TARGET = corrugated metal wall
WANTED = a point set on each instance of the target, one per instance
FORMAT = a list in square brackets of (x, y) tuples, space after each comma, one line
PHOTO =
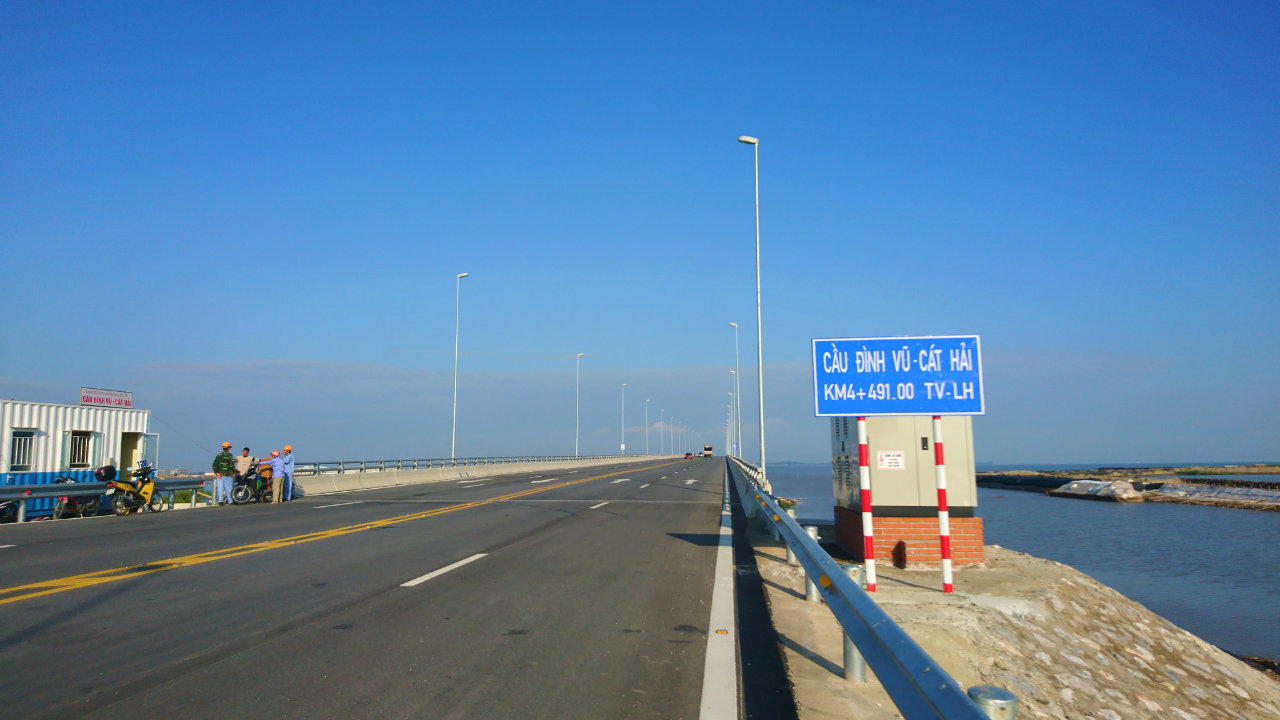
[(51, 420)]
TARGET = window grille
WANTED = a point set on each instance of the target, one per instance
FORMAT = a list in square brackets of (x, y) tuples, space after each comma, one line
[(80, 442), (20, 450)]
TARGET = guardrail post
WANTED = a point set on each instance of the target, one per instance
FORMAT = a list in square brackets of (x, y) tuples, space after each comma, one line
[(22, 510), (855, 666), (171, 494), (997, 703), (791, 555), (810, 587)]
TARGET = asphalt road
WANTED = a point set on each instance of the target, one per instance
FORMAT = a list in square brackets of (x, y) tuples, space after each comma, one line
[(582, 595)]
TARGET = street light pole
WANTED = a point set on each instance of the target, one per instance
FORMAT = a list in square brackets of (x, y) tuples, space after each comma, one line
[(624, 418), (737, 389), (577, 398), (764, 476), (457, 318), (662, 429), (646, 426), (733, 397)]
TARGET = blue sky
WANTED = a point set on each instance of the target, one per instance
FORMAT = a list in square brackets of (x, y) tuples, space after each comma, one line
[(251, 215)]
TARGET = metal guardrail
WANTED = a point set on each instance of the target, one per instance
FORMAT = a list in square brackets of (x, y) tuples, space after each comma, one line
[(23, 493), (915, 682), (338, 467)]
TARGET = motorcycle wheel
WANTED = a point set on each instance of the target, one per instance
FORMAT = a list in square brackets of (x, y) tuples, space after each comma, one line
[(240, 494), (60, 509), (118, 504), (89, 508), (157, 502)]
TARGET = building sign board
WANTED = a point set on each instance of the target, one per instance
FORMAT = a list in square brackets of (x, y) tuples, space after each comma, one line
[(106, 398), (927, 375)]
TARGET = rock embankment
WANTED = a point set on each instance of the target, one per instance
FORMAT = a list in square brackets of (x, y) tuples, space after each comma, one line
[(1068, 646)]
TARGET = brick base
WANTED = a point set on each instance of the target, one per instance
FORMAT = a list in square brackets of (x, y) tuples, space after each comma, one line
[(911, 541)]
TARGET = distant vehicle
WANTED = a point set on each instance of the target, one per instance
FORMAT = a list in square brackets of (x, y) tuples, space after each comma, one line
[(706, 451), (688, 456)]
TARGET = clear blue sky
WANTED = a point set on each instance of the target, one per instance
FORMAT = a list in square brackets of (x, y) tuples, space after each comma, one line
[(251, 215)]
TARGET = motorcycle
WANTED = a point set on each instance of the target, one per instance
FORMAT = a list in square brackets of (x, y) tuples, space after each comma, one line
[(253, 486), (8, 511), (133, 495), (75, 505)]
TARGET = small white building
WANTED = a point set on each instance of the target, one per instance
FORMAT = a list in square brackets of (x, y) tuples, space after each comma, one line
[(42, 441)]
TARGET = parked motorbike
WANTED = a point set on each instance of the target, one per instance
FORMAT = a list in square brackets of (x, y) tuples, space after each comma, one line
[(253, 486), (8, 511), (129, 495), (75, 505)]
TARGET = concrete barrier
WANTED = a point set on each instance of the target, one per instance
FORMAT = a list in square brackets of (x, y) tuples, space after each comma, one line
[(375, 479)]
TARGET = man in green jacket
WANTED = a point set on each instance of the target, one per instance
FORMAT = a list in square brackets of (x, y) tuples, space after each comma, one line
[(223, 466)]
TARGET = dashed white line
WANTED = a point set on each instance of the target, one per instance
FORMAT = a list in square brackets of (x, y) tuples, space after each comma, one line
[(7, 546), (615, 482), (443, 570), (322, 507), (597, 507), (535, 482), (644, 486), (472, 481), (691, 481)]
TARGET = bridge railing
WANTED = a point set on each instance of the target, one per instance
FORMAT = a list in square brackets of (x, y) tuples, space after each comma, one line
[(915, 682), (337, 467)]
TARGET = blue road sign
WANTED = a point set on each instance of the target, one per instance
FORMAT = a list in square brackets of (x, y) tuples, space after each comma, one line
[(932, 375)]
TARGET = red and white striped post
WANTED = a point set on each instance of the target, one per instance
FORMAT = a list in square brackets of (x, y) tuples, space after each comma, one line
[(944, 516), (864, 481)]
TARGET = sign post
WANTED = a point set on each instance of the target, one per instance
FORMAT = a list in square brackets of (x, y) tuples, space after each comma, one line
[(931, 375)]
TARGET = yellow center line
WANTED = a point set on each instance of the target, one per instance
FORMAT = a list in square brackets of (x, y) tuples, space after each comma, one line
[(74, 582)]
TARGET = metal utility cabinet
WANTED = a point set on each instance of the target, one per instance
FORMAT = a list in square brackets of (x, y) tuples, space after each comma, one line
[(904, 495)]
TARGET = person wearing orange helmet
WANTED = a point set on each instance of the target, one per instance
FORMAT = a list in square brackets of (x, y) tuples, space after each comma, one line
[(287, 461), (223, 466)]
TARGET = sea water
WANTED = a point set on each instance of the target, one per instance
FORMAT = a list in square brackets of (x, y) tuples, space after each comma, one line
[(1213, 571)]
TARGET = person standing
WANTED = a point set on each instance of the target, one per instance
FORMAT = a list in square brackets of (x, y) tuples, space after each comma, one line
[(223, 466), (277, 475), (287, 461)]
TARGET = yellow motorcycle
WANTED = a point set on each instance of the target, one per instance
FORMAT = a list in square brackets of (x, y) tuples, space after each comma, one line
[(129, 495)]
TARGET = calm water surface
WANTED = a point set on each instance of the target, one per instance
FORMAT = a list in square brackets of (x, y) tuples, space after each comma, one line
[(1213, 571)]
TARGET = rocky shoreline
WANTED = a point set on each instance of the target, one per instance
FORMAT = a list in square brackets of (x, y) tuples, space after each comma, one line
[(1143, 485), (1068, 646)]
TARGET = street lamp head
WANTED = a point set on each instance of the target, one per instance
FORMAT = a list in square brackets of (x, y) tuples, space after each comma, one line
[(734, 324), (582, 354), (462, 275), (749, 140)]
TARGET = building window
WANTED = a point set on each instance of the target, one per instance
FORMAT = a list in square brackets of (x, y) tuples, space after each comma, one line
[(80, 444), (20, 450)]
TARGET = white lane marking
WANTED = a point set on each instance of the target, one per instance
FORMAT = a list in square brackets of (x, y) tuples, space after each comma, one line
[(644, 486), (7, 546), (473, 486), (597, 507), (664, 477), (720, 671), (691, 481), (535, 482), (443, 570), (321, 507), (615, 482), (472, 481)]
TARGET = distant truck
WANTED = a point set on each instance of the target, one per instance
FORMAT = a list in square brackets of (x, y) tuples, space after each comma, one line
[(706, 451)]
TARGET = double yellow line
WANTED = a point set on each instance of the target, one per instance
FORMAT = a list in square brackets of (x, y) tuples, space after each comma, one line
[(74, 582)]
